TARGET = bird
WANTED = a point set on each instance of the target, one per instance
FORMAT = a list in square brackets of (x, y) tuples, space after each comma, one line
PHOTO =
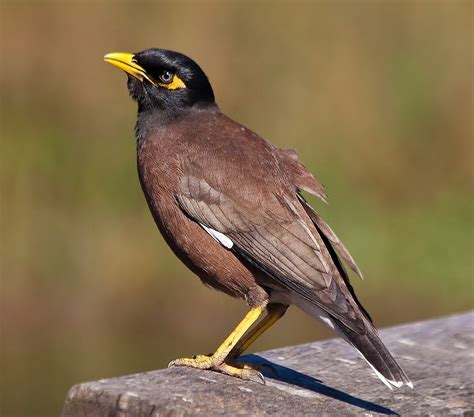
[(231, 207)]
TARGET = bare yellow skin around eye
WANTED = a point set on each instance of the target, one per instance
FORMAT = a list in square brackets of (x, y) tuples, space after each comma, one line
[(174, 84)]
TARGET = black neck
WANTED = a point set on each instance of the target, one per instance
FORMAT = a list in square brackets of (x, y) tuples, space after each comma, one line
[(151, 120)]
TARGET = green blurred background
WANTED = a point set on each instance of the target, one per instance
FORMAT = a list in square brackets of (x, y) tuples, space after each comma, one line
[(375, 96)]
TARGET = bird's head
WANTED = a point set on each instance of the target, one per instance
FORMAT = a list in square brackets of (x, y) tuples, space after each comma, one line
[(162, 79)]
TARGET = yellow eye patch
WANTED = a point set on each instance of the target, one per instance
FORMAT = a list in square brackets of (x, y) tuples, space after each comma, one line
[(174, 84)]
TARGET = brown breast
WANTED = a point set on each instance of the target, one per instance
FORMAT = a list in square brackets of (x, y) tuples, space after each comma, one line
[(162, 161)]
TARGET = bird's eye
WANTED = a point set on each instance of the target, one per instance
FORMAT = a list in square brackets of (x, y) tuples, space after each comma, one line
[(166, 77)]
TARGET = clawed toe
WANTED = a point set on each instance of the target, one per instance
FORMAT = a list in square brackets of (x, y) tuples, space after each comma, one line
[(198, 361), (244, 371)]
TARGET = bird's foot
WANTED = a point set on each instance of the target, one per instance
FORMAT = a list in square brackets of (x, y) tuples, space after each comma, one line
[(234, 368), (260, 367)]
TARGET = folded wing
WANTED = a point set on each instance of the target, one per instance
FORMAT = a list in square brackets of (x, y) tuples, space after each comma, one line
[(277, 236)]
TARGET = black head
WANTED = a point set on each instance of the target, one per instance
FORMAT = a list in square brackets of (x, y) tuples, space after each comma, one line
[(164, 80)]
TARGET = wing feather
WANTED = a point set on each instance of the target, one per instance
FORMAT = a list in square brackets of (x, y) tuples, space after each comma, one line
[(331, 236), (279, 241)]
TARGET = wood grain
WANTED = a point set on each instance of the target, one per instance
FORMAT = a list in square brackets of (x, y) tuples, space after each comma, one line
[(323, 378)]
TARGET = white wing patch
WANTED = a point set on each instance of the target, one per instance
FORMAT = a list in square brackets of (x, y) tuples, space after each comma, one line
[(326, 320), (219, 237)]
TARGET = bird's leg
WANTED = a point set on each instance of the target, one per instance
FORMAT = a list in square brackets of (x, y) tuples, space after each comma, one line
[(275, 312), (216, 360)]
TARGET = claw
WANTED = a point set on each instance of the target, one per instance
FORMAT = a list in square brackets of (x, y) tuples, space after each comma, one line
[(255, 376)]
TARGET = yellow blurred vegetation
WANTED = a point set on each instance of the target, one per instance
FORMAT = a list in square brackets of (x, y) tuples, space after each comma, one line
[(375, 96)]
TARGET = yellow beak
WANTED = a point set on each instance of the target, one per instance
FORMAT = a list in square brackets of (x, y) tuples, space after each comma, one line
[(126, 62)]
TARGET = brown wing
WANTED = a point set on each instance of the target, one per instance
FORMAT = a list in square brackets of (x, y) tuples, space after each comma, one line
[(305, 181), (278, 237), (235, 183)]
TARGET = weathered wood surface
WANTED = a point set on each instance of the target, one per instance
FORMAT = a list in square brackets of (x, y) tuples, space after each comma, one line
[(317, 379)]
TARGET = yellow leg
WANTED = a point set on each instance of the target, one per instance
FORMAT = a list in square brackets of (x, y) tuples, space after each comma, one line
[(274, 313), (216, 361)]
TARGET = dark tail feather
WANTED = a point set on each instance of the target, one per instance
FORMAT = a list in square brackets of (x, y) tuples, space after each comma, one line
[(376, 354)]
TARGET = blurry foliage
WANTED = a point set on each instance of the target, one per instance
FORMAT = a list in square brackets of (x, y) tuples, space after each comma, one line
[(375, 96)]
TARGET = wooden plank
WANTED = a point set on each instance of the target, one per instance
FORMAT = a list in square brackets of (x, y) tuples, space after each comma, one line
[(323, 378)]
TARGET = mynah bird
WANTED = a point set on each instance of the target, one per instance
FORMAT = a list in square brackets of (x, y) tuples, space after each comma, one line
[(230, 206)]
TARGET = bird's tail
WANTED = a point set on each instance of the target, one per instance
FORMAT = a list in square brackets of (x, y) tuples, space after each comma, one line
[(367, 344), (375, 353)]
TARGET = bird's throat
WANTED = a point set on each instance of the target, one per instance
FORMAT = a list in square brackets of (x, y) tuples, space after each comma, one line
[(152, 120)]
